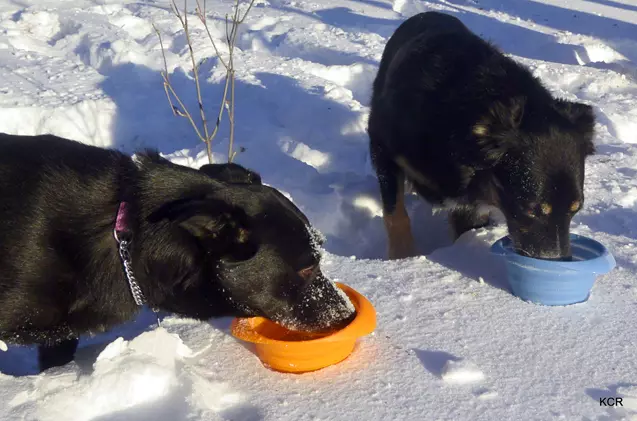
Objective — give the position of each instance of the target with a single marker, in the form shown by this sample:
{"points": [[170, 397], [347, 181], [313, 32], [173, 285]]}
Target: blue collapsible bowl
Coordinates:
{"points": [[551, 282]]}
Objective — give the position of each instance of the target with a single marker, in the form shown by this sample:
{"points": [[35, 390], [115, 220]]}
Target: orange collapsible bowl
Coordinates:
{"points": [[297, 352]]}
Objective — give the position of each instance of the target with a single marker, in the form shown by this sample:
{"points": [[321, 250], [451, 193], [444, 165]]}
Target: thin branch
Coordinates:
{"points": [[231, 114], [183, 112], [175, 9], [195, 71], [232, 23], [227, 34], [235, 24], [204, 21], [220, 115], [236, 14], [246, 13], [161, 44], [164, 75], [232, 38]]}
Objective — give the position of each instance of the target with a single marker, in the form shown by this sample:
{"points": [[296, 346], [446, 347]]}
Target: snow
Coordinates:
{"points": [[461, 372], [451, 343]]}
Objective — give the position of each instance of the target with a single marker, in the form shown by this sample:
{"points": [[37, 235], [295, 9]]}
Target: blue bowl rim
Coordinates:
{"points": [[603, 263]]}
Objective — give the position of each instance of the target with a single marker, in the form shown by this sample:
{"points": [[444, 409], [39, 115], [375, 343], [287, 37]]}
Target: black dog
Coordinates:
{"points": [[468, 126], [203, 243]]}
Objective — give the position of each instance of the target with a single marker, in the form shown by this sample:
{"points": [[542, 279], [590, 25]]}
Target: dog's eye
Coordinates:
{"points": [[575, 206], [243, 235], [536, 210]]}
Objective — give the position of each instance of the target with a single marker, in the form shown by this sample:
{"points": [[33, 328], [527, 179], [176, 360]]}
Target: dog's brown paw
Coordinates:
{"points": [[400, 238], [402, 250]]}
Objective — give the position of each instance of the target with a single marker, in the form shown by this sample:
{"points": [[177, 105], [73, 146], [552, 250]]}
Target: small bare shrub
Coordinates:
{"points": [[177, 106]]}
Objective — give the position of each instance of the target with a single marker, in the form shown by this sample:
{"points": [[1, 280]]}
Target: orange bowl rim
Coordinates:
{"points": [[363, 324]]}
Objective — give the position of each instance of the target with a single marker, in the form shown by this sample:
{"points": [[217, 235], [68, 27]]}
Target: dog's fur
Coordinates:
{"points": [[468, 126], [206, 243]]}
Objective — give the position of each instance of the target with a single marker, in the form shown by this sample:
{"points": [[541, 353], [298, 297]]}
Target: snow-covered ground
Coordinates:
{"points": [[447, 346]]}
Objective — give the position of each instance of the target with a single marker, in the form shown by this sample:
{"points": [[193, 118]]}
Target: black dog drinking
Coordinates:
{"points": [[471, 128]]}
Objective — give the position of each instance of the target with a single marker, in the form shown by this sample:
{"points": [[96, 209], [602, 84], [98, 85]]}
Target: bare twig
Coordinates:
{"points": [[202, 18], [221, 108], [195, 70], [227, 33], [183, 111], [246, 13], [231, 32], [231, 118], [231, 71]]}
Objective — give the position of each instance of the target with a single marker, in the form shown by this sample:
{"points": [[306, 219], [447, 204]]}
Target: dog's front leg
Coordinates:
{"points": [[398, 226], [392, 190], [55, 354]]}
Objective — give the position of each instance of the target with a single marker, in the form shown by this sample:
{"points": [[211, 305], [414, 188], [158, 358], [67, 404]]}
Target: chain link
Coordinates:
{"points": [[124, 253]]}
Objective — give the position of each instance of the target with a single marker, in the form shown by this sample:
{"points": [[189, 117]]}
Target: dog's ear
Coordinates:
{"points": [[493, 131], [231, 173], [205, 225], [207, 219], [581, 115], [222, 230], [211, 229], [582, 118]]}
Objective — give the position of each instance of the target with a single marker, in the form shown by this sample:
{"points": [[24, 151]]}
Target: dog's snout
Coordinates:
{"points": [[323, 306], [547, 243]]}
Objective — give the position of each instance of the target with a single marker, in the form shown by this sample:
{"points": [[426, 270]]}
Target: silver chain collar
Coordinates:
{"points": [[124, 238], [124, 253], [136, 291]]}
